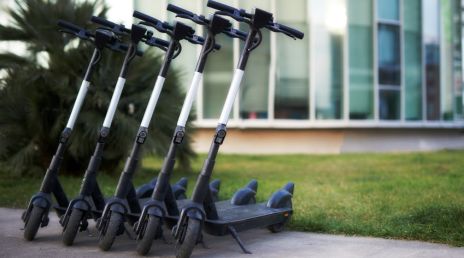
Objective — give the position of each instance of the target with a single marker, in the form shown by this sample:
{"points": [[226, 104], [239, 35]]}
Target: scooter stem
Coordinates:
{"points": [[148, 115], [119, 87], [82, 91]]}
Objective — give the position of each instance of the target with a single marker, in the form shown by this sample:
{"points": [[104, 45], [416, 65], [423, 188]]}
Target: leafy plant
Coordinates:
{"points": [[38, 89]]}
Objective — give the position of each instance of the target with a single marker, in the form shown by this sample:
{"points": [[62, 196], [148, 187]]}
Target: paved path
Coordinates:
{"points": [[260, 242]]}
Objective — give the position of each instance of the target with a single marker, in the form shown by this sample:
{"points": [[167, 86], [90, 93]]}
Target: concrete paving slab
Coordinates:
{"points": [[260, 242]]}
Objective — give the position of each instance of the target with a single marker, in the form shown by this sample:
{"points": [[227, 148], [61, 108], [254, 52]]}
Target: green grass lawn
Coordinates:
{"points": [[406, 196]]}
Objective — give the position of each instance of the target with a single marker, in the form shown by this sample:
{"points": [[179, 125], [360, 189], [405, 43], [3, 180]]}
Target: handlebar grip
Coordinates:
{"points": [[144, 17], [294, 32], [155, 22], [103, 22], [69, 26], [221, 7], [179, 10]]}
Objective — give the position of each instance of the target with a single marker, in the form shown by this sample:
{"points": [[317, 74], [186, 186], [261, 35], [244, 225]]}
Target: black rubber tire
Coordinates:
{"points": [[279, 227], [106, 240], [33, 224], [191, 238], [144, 244], [70, 232]]}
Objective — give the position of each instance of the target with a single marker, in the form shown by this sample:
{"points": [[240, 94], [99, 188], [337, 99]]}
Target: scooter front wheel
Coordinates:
{"points": [[33, 223], [108, 236], [191, 238], [72, 227], [144, 244]]}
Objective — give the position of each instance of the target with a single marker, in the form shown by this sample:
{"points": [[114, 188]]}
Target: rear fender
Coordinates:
{"points": [[246, 195], [282, 198], [179, 188]]}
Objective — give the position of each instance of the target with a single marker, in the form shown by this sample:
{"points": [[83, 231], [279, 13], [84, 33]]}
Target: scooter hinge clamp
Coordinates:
{"points": [[141, 137], [179, 137], [220, 136]]}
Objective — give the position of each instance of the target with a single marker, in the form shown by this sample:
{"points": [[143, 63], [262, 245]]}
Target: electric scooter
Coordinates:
{"points": [[201, 213], [160, 205], [36, 214], [90, 201], [112, 221]]}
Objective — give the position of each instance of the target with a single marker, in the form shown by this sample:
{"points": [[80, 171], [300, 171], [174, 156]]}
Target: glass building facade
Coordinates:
{"points": [[362, 63]]}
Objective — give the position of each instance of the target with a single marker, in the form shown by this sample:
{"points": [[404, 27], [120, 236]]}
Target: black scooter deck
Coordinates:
{"points": [[240, 217]]}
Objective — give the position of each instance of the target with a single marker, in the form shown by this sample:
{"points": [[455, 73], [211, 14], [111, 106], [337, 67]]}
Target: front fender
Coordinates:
{"points": [[41, 202], [81, 205]]}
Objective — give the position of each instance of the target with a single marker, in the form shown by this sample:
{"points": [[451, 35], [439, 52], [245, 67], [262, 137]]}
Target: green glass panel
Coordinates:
{"points": [[388, 9], [185, 63], [447, 61], [412, 59], [329, 35], [361, 81], [457, 58], [389, 104], [218, 74], [431, 41], [291, 99], [254, 91]]}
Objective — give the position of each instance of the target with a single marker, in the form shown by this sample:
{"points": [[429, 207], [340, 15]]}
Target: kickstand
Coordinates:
{"points": [[234, 234]]}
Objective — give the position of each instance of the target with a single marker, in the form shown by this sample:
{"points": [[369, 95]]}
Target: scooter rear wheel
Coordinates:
{"points": [[144, 244], [279, 227], [191, 238], [33, 223], [107, 238], [72, 227]]}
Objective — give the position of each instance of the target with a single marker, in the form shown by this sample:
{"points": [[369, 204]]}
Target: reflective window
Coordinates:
{"points": [[361, 59], [217, 78], [389, 104], [292, 78], [389, 60], [457, 58], [431, 38], [328, 24], [412, 59], [254, 92], [447, 89], [185, 63], [388, 9], [218, 74], [389, 55]]}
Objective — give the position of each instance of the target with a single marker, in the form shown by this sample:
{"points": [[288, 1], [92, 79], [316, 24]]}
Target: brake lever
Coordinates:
{"points": [[198, 19], [152, 42], [233, 33], [161, 27], [278, 30]]}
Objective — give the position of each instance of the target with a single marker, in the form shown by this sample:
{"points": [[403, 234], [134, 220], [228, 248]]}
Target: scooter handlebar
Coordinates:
{"points": [[286, 30], [178, 10], [153, 21], [117, 28], [69, 26], [222, 7]]}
